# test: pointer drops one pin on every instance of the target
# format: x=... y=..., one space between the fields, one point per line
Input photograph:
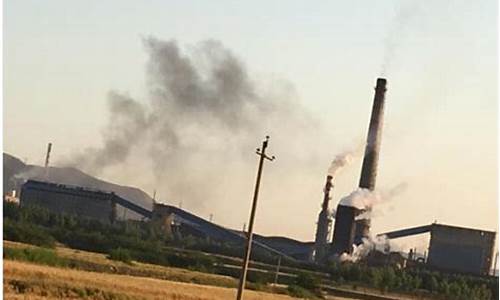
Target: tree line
x=145 y=242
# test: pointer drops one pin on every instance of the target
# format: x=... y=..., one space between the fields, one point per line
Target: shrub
x=307 y=281
x=10 y=210
x=37 y=255
x=259 y=277
x=300 y=292
x=27 y=233
x=120 y=255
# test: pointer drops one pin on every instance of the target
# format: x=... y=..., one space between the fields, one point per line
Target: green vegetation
x=300 y=292
x=120 y=255
x=307 y=281
x=28 y=233
x=37 y=255
x=135 y=240
x=388 y=279
x=305 y=286
x=143 y=242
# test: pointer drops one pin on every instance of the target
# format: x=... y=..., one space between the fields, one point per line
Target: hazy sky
x=62 y=57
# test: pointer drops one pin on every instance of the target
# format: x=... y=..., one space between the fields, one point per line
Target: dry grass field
x=94 y=276
x=91 y=261
x=29 y=281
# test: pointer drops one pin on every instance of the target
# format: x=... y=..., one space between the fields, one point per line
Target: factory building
x=461 y=249
x=73 y=200
x=69 y=200
x=171 y=216
x=100 y=205
x=451 y=248
x=173 y=219
x=455 y=249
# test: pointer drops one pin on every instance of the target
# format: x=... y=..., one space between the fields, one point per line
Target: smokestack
x=370 y=160
x=369 y=169
x=47 y=157
x=326 y=198
x=324 y=224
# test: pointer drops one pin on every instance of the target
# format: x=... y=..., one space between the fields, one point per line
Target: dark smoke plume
x=203 y=112
x=128 y=119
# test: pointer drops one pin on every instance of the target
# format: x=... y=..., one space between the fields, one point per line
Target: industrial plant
x=451 y=248
x=339 y=231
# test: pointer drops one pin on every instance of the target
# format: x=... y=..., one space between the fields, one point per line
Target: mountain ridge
x=17 y=172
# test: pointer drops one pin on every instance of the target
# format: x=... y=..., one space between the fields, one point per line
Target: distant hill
x=16 y=173
x=11 y=167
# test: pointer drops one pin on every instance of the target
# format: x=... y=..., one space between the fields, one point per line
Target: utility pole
x=244 y=267
x=495 y=265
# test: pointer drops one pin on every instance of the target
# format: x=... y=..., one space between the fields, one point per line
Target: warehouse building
x=73 y=200
x=455 y=249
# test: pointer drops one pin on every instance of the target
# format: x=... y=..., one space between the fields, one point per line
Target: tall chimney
x=47 y=157
x=324 y=224
x=370 y=160
x=369 y=169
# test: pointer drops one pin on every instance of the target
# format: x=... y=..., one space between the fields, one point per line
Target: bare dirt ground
x=29 y=281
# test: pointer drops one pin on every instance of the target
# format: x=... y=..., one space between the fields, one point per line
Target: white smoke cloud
x=32 y=173
x=377 y=243
x=344 y=159
x=393 y=192
x=339 y=162
x=332 y=213
x=364 y=199
x=361 y=199
x=365 y=215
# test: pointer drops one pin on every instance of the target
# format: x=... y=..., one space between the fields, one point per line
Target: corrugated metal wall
x=62 y=199
x=461 y=249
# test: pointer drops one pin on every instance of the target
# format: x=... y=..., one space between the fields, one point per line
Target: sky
x=61 y=58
